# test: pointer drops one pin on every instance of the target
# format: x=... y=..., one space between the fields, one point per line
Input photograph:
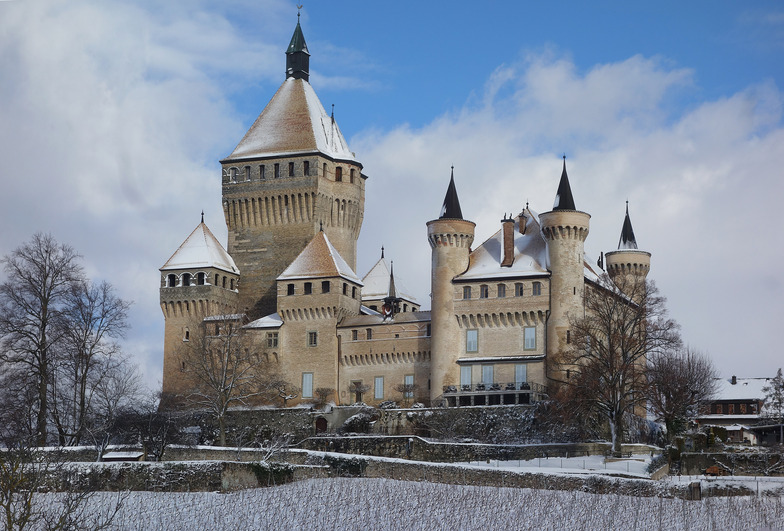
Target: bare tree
x=322 y=396
x=39 y=277
x=93 y=317
x=286 y=391
x=625 y=322
x=774 y=400
x=406 y=391
x=358 y=389
x=225 y=369
x=680 y=382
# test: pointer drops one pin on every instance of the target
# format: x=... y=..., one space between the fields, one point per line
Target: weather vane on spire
x=202 y=214
x=299 y=7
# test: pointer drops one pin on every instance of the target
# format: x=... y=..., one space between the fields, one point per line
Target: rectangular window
x=465 y=377
x=487 y=374
x=290 y=289
x=378 y=388
x=518 y=289
x=312 y=339
x=325 y=286
x=308 y=288
x=501 y=291
x=353 y=292
x=306 y=168
x=429 y=329
x=262 y=175
x=345 y=289
x=530 y=338
x=472 y=342
x=521 y=374
x=272 y=339
x=247 y=173
x=277 y=170
x=352 y=175
x=307 y=385
x=731 y=409
x=408 y=381
x=368 y=334
x=536 y=288
x=743 y=409
x=466 y=292
x=291 y=169
x=338 y=174
x=354 y=335
x=484 y=291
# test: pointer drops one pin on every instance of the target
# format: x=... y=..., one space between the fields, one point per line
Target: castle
x=293 y=199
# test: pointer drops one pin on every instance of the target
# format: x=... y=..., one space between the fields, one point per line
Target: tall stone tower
x=290 y=175
x=200 y=279
x=565 y=228
x=450 y=238
x=628 y=266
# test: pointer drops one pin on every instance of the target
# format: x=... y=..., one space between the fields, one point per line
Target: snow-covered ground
x=383 y=504
x=592 y=464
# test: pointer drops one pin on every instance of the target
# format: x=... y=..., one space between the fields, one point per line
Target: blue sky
x=114 y=114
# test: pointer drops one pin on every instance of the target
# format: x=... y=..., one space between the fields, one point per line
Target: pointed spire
x=202 y=216
x=382 y=251
x=563 y=198
x=392 y=290
x=451 y=207
x=297 y=56
x=627 y=241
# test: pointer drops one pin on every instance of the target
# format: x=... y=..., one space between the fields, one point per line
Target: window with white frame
x=487 y=374
x=465 y=376
x=307 y=385
x=521 y=374
x=378 y=387
x=529 y=338
x=272 y=339
x=472 y=340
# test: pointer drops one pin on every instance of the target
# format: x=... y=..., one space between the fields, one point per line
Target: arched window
x=186 y=279
x=171 y=280
x=231 y=284
x=224 y=282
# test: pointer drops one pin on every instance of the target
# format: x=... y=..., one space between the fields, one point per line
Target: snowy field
x=383 y=504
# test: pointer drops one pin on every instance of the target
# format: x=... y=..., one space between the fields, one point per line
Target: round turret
x=628 y=265
x=450 y=239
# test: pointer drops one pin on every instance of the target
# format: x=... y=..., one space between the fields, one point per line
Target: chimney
x=523 y=221
x=734 y=380
x=508 y=238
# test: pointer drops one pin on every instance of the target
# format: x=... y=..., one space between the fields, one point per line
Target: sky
x=114 y=115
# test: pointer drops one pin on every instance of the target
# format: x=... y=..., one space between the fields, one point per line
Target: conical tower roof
x=199 y=250
x=451 y=206
x=627 y=241
x=563 y=198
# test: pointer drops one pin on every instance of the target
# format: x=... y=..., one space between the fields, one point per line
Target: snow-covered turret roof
x=376 y=284
x=293 y=122
x=199 y=250
x=319 y=259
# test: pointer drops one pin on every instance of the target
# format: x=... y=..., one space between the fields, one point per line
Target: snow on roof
x=510 y=358
x=200 y=249
x=294 y=121
x=530 y=253
x=319 y=259
x=375 y=285
x=376 y=318
x=225 y=317
x=268 y=321
x=744 y=389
